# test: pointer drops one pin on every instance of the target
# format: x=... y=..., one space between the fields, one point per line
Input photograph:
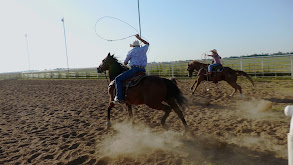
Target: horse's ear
x=113 y=55
x=109 y=54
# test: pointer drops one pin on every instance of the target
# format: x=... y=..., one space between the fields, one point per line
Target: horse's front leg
x=112 y=93
x=129 y=109
x=108 y=123
x=199 y=80
x=193 y=84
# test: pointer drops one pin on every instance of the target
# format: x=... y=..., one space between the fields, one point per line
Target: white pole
x=139 y=17
x=65 y=43
x=28 y=55
x=289 y=112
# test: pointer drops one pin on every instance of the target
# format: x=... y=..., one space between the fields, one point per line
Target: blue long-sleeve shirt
x=137 y=56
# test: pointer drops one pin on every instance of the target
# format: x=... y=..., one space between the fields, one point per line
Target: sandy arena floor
x=64 y=122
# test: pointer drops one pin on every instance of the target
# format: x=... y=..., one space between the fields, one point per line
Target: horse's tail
x=241 y=73
x=174 y=92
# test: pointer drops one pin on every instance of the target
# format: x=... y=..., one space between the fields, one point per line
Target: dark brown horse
x=157 y=93
x=227 y=74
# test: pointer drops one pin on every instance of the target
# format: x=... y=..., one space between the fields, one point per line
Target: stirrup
x=208 y=73
x=116 y=101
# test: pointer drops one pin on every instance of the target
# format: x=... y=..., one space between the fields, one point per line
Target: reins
x=106 y=78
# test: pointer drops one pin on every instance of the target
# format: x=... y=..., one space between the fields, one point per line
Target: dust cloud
x=135 y=140
x=255 y=108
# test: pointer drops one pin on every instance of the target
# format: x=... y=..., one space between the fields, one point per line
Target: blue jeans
x=122 y=77
x=211 y=66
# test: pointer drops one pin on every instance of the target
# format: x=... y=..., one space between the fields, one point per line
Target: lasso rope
x=204 y=57
x=119 y=39
x=118 y=20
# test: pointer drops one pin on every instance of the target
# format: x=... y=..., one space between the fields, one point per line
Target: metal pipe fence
x=265 y=66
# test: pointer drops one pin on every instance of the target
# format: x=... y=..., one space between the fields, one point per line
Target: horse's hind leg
x=159 y=106
x=235 y=86
x=129 y=109
x=167 y=110
x=178 y=111
x=240 y=90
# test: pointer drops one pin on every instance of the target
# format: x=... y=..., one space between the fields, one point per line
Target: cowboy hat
x=214 y=50
x=135 y=44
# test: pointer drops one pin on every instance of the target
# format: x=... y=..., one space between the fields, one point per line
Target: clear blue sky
x=176 y=30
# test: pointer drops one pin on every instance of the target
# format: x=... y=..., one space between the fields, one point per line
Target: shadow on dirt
x=277 y=100
x=207 y=150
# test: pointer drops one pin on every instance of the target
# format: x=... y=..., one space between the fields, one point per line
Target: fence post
x=291 y=67
x=275 y=66
x=172 y=70
x=262 y=70
x=241 y=64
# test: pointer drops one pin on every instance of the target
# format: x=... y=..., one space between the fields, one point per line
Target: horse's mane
x=195 y=61
x=197 y=65
x=120 y=64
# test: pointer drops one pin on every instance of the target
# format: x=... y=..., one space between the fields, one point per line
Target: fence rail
x=273 y=66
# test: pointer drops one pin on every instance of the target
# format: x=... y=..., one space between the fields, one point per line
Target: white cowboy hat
x=135 y=44
x=214 y=50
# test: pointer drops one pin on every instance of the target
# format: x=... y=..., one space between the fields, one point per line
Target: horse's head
x=190 y=69
x=105 y=63
x=195 y=65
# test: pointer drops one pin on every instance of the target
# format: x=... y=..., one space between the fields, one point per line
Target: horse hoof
x=191 y=88
x=188 y=131
x=108 y=124
x=192 y=93
x=166 y=128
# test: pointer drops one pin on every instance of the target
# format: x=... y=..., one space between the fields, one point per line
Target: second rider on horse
x=216 y=61
x=138 y=61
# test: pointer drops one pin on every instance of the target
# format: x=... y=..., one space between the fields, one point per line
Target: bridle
x=106 y=77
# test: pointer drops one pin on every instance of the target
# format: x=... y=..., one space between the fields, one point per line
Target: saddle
x=131 y=82
x=134 y=80
x=215 y=70
x=218 y=68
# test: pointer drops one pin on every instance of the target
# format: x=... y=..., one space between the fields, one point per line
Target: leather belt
x=137 y=66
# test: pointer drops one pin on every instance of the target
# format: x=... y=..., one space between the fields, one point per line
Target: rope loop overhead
x=119 y=39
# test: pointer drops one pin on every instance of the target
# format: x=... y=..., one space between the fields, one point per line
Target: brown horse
x=157 y=93
x=227 y=74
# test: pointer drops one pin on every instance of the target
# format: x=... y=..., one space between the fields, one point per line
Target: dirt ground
x=64 y=122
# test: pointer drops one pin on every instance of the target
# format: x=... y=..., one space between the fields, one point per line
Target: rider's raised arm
x=142 y=40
